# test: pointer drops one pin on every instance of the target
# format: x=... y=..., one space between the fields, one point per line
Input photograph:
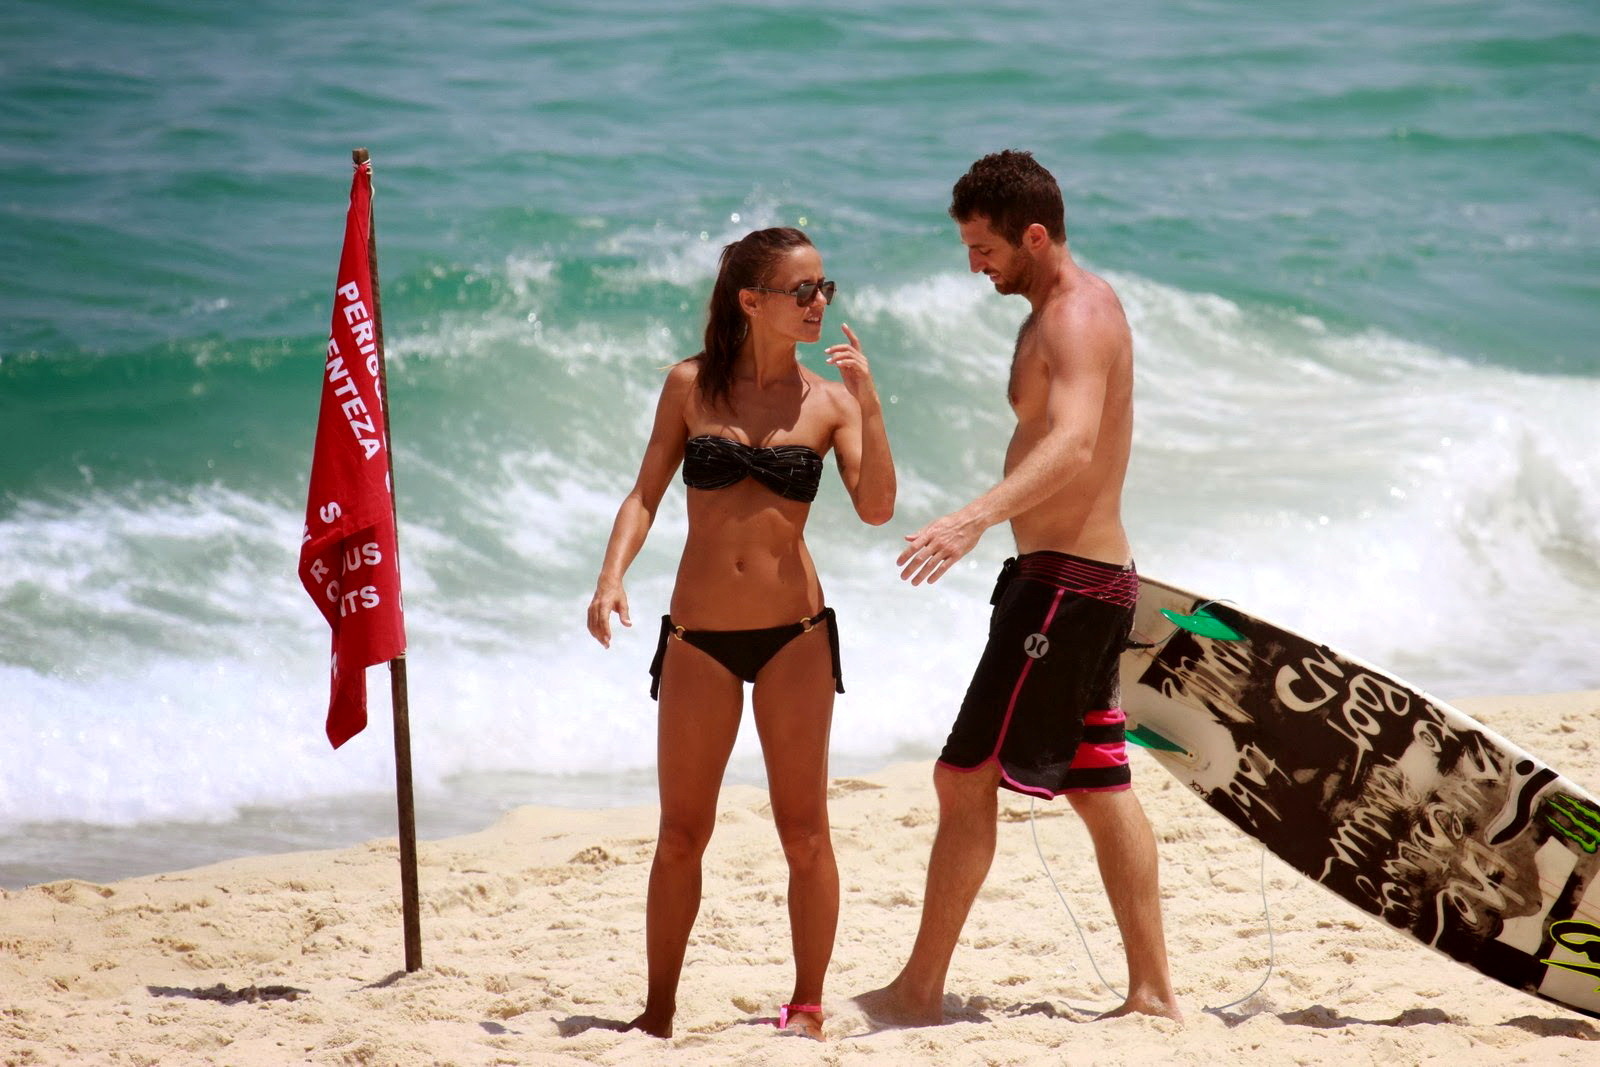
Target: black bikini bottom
x=744 y=652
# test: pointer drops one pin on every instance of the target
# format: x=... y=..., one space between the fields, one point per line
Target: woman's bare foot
x=654 y=1023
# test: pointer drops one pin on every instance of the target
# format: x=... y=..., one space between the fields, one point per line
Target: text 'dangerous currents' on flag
x=349 y=561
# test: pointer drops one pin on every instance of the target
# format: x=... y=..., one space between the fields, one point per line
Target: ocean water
x=1359 y=246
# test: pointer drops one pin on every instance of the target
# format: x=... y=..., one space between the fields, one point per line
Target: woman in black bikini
x=750 y=426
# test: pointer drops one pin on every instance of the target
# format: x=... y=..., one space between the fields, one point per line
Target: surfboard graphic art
x=1406 y=807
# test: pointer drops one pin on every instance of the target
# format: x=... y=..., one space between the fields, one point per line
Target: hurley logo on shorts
x=1036 y=645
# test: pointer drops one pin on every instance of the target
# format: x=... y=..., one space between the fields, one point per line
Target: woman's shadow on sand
x=573 y=1025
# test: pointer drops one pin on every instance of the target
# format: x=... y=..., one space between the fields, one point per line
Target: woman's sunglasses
x=803 y=293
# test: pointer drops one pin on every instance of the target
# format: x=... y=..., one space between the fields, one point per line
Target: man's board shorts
x=1045 y=701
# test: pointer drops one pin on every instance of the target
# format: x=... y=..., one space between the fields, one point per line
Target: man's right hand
x=934 y=549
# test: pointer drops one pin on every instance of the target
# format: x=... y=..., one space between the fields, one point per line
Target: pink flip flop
x=790 y=1009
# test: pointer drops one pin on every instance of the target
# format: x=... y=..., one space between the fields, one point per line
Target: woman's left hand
x=852 y=365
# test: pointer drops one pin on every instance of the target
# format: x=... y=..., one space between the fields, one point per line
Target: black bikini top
x=792 y=471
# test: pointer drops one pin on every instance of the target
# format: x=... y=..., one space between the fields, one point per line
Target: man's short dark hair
x=1012 y=191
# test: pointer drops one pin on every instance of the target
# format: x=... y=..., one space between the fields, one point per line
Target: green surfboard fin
x=1205 y=624
x=1145 y=737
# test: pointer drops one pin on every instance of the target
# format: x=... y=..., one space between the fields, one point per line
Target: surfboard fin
x=1145 y=737
x=1205 y=624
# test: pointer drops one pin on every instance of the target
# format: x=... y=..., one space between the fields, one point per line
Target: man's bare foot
x=1141 y=1005
x=806 y=1024
x=890 y=1007
x=654 y=1023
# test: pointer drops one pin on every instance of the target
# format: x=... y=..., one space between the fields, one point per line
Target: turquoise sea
x=1359 y=245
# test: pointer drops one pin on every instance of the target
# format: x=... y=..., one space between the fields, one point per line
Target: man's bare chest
x=1029 y=380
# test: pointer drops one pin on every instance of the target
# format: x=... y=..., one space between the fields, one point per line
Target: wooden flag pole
x=397 y=666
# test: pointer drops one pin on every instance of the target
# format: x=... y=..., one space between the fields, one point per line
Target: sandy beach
x=533 y=948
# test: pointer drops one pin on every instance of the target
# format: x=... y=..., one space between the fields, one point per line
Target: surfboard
x=1406 y=807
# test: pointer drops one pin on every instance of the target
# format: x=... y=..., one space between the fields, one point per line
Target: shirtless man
x=1042 y=715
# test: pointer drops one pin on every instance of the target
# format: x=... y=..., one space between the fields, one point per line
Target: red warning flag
x=349 y=561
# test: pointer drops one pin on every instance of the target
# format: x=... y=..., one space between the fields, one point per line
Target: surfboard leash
x=1266 y=915
x=1272 y=950
x=1087 y=951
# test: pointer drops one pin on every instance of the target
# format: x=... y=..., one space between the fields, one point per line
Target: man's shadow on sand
x=1320 y=1017
x=979 y=1009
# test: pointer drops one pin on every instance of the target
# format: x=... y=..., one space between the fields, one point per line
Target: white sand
x=534 y=948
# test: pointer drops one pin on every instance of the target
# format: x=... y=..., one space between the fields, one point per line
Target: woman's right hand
x=608 y=599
